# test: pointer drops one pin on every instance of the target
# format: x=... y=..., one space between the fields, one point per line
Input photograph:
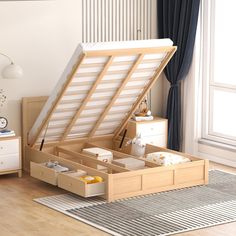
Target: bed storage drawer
x=39 y=171
x=74 y=185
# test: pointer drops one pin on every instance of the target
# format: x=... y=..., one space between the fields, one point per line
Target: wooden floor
x=20 y=216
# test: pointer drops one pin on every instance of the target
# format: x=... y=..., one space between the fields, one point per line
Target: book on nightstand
x=7 y=133
x=142 y=118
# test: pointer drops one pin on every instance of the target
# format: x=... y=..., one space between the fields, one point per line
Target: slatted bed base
x=98 y=92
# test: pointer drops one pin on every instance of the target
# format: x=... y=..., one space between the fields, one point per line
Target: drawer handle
x=1 y=148
x=70 y=184
x=41 y=173
x=1 y=162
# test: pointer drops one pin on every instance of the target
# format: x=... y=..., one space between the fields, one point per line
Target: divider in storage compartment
x=121 y=155
x=87 y=160
x=73 y=184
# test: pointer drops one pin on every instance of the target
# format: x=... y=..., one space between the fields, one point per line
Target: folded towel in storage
x=55 y=165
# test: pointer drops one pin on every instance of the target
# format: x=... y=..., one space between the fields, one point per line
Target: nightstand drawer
x=9 y=146
x=9 y=162
x=149 y=129
x=159 y=140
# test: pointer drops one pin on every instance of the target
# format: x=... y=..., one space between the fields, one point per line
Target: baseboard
x=219 y=160
x=216 y=154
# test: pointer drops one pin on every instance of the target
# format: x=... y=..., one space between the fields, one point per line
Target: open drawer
x=40 y=171
x=44 y=173
x=73 y=184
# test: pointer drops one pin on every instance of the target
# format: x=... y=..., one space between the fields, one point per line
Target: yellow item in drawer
x=91 y=179
x=98 y=179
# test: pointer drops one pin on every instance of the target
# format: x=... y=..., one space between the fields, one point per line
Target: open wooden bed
x=101 y=87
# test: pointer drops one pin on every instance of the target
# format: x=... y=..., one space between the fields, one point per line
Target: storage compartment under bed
x=119 y=182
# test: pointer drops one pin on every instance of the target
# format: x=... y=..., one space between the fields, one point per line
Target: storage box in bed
x=101 y=87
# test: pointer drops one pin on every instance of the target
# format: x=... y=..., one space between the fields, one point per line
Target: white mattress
x=125 y=44
x=97 y=47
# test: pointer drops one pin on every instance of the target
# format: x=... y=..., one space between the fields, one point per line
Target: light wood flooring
x=20 y=216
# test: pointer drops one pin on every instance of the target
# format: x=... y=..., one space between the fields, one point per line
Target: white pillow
x=166 y=158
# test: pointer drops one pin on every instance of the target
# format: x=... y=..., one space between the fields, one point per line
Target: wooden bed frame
x=119 y=182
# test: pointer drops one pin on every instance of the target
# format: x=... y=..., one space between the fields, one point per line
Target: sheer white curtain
x=192 y=99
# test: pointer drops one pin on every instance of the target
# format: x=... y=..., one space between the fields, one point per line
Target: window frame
x=208 y=83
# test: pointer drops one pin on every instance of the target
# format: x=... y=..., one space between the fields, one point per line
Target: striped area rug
x=163 y=213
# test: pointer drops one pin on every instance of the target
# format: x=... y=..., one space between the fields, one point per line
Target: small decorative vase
x=138 y=146
x=137 y=150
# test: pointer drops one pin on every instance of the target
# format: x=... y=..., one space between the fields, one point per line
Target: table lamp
x=11 y=71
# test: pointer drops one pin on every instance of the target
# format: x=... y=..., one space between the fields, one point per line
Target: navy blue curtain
x=177 y=20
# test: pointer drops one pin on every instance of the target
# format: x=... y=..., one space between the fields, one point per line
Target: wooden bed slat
x=80 y=122
x=84 y=83
x=146 y=61
x=118 y=112
x=103 y=98
x=71 y=101
x=60 y=118
x=113 y=72
x=105 y=90
x=76 y=92
x=91 y=65
x=119 y=63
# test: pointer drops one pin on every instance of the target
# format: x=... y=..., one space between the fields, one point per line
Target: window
x=219 y=71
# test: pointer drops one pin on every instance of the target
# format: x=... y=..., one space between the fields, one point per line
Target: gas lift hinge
x=42 y=142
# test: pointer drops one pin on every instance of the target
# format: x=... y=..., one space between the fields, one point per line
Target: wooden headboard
x=31 y=107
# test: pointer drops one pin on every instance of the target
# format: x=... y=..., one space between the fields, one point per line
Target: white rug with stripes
x=163 y=213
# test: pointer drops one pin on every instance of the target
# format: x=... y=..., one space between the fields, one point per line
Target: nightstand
x=153 y=131
x=10 y=155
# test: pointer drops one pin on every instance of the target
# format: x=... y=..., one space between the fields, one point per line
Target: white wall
x=157 y=102
x=41 y=36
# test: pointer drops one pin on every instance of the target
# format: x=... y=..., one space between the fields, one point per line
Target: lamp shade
x=12 y=71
